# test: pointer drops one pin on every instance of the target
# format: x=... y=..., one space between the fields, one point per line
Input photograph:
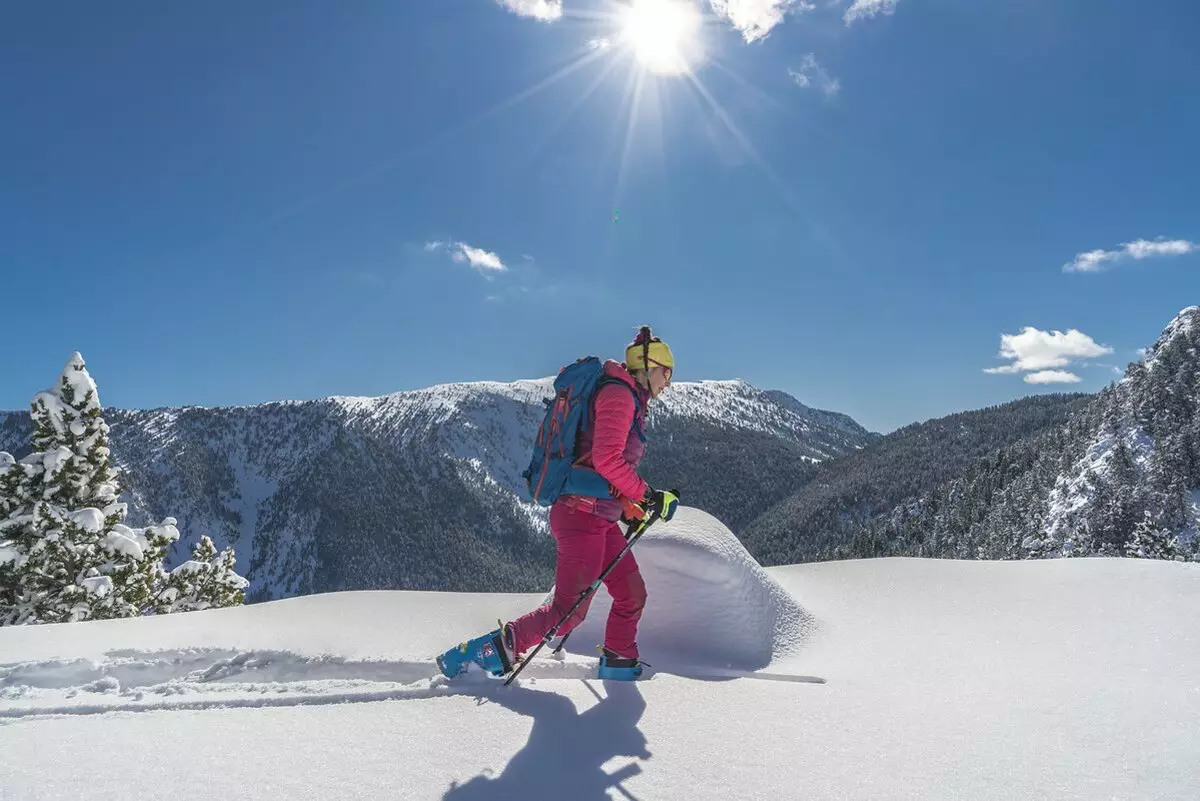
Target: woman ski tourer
x=602 y=406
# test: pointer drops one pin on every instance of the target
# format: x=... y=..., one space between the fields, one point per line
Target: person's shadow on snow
x=566 y=751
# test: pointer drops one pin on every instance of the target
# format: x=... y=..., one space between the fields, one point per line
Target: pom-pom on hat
x=648 y=351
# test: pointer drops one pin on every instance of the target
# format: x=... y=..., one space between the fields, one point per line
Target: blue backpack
x=552 y=469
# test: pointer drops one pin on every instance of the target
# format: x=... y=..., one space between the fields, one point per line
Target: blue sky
x=229 y=203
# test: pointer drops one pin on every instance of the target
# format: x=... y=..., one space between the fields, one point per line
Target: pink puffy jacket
x=611 y=445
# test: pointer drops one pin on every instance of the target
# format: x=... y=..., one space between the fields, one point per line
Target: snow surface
x=700 y=581
x=901 y=678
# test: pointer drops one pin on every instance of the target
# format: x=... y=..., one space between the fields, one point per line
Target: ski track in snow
x=199 y=678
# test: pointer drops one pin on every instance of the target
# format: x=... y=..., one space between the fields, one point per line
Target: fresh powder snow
x=869 y=679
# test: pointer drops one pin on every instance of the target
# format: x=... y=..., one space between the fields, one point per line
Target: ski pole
x=583 y=596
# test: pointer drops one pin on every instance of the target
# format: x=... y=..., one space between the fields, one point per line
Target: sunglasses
x=668 y=371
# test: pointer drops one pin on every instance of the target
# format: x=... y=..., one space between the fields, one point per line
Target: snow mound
x=709 y=602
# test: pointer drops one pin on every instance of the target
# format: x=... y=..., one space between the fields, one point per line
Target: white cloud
x=1094 y=260
x=1052 y=377
x=864 y=9
x=812 y=73
x=1091 y=261
x=1143 y=249
x=756 y=18
x=547 y=10
x=478 y=258
x=1039 y=352
x=599 y=43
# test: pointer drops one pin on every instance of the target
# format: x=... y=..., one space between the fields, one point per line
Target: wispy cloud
x=755 y=18
x=547 y=10
x=482 y=260
x=1037 y=353
x=811 y=73
x=864 y=9
x=1094 y=261
x=599 y=43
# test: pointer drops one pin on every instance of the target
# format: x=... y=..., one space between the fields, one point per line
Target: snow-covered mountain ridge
x=419 y=489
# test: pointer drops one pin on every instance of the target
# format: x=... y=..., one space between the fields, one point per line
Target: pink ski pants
x=586 y=545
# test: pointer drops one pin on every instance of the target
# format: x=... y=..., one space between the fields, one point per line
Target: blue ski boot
x=618 y=668
x=487 y=651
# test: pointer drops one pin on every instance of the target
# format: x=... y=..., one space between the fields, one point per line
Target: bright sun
x=662 y=33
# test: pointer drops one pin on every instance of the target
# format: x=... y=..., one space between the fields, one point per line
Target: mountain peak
x=1183 y=323
x=1183 y=326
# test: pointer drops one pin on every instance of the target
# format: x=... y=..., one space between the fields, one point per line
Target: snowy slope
x=368 y=493
x=1146 y=412
x=877 y=679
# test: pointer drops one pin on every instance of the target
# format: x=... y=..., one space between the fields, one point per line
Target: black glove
x=664 y=502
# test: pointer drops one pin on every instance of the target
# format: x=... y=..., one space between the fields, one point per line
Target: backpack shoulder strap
x=608 y=379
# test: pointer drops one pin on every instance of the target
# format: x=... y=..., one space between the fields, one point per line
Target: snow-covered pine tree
x=1152 y=540
x=68 y=553
x=74 y=553
x=13 y=503
x=207 y=581
x=68 y=416
x=12 y=495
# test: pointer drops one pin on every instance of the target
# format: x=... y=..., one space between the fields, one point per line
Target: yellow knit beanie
x=648 y=348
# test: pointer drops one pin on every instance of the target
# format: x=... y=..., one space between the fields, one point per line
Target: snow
x=49 y=461
x=97 y=585
x=904 y=678
x=734 y=403
x=88 y=519
x=1074 y=490
x=1180 y=326
x=54 y=409
x=8 y=552
x=701 y=580
x=125 y=545
x=167 y=529
x=76 y=375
